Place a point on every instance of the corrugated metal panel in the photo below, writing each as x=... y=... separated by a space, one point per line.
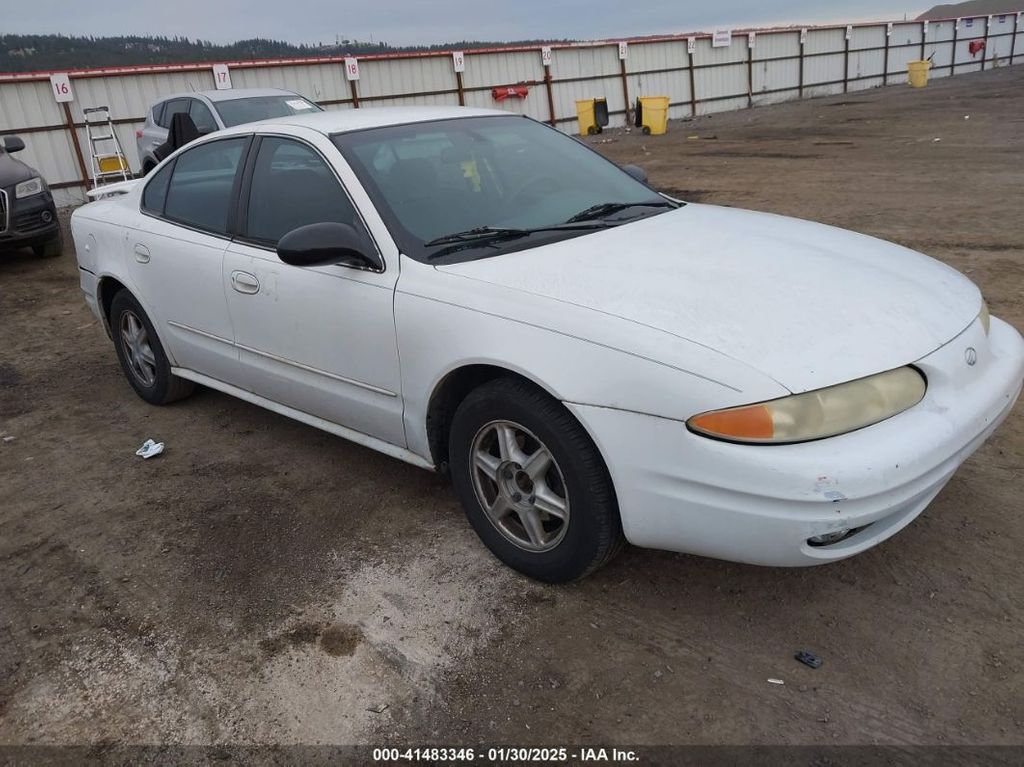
x=704 y=53
x=725 y=105
x=584 y=62
x=317 y=82
x=27 y=105
x=401 y=76
x=491 y=69
x=722 y=81
x=905 y=34
x=824 y=40
x=866 y=63
x=51 y=153
x=775 y=75
x=824 y=69
x=1000 y=45
x=776 y=45
x=868 y=37
x=675 y=85
x=664 y=55
x=863 y=85
x=535 y=105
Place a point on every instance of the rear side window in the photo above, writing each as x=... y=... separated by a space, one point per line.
x=171 y=108
x=200 y=193
x=155 y=194
x=158 y=110
x=292 y=186
x=202 y=117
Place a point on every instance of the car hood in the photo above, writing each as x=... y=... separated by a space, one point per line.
x=806 y=304
x=14 y=171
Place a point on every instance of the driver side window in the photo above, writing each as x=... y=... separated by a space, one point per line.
x=292 y=186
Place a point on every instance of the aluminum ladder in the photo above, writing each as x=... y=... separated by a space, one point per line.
x=108 y=160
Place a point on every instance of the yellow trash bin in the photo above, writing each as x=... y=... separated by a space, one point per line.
x=585 y=114
x=917 y=73
x=654 y=114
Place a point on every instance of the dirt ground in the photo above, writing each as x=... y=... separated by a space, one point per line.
x=263 y=582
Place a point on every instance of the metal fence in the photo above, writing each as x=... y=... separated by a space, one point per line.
x=699 y=73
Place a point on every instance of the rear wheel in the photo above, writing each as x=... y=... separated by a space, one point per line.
x=532 y=482
x=141 y=354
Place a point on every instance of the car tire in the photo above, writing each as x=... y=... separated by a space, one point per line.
x=523 y=493
x=50 y=248
x=141 y=354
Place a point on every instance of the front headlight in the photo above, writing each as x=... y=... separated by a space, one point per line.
x=984 y=316
x=29 y=188
x=816 y=414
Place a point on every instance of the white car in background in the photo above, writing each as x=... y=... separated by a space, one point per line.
x=592 y=362
x=213 y=111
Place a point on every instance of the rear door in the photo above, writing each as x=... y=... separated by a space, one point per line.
x=318 y=339
x=175 y=254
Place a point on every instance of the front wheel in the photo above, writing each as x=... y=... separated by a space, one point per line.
x=532 y=482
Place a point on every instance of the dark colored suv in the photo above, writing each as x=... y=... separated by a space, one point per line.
x=28 y=217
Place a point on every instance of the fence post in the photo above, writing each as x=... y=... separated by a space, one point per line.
x=552 y=120
x=1013 y=40
x=803 y=36
x=693 y=80
x=952 y=56
x=885 y=60
x=625 y=87
x=355 y=93
x=462 y=91
x=750 y=70
x=924 y=31
x=846 y=60
x=984 y=50
x=69 y=121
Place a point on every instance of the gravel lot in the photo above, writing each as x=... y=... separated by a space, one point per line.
x=263 y=582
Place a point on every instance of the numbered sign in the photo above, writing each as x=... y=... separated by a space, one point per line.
x=722 y=38
x=221 y=77
x=888 y=29
x=61 y=86
x=691 y=45
x=750 y=40
x=968 y=23
x=849 y=31
x=459 y=61
x=351 y=69
x=924 y=28
x=623 y=51
x=545 y=56
x=803 y=36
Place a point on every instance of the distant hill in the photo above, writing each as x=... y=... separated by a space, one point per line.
x=972 y=8
x=26 y=53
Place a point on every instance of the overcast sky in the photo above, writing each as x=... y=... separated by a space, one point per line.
x=411 y=21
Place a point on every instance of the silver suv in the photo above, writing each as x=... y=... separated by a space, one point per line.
x=213 y=110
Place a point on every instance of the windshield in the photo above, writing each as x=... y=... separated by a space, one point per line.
x=254 y=108
x=432 y=180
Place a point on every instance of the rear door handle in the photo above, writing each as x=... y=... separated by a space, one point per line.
x=244 y=282
x=141 y=254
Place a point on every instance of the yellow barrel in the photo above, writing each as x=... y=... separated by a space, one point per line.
x=585 y=114
x=917 y=73
x=654 y=113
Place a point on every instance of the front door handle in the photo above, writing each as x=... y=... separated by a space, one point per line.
x=141 y=254
x=244 y=282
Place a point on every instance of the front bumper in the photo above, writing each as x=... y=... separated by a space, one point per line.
x=27 y=221
x=760 y=504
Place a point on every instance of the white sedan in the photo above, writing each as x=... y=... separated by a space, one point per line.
x=474 y=292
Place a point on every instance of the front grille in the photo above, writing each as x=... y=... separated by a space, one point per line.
x=3 y=211
x=25 y=222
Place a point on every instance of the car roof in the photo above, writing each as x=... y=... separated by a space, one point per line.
x=346 y=120
x=230 y=94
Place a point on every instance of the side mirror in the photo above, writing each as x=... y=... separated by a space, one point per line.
x=326 y=244
x=636 y=172
x=12 y=144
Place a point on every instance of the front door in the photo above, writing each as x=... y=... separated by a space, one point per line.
x=317 y=339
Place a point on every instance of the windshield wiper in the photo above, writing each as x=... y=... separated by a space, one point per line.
x=488 y=234
x=607 y=208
